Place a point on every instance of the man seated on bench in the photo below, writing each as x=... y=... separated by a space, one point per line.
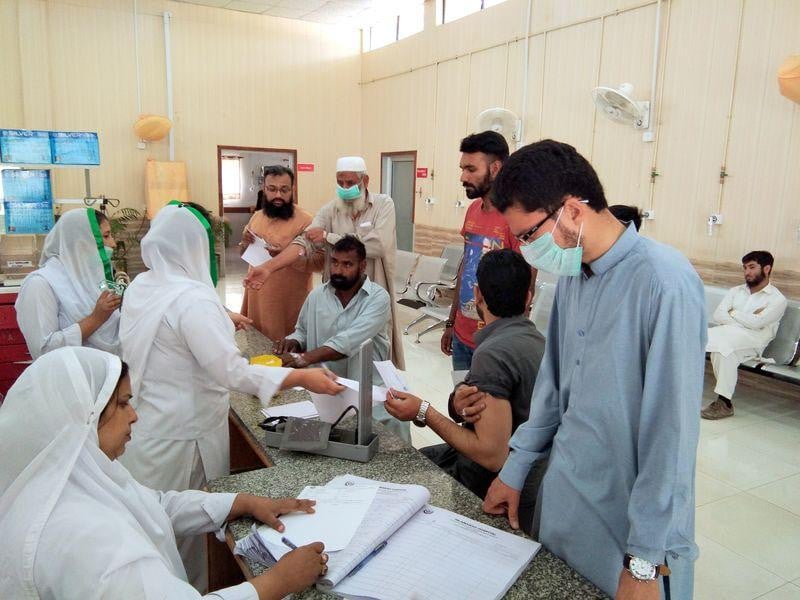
x=747 y=321
x=504 y=368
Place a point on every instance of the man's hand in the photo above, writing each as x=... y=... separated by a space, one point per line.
x=502 y=499
x=315 y=235
x=292 y=360
x=240 y=321
x=257 y=277
x=469 y=402
x=106 y=304
x=630 y=589
x=447 y=341
x=401 y=405
x=285 y=345
x=247 y=238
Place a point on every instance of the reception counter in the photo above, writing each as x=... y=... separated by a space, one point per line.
x=278 y=473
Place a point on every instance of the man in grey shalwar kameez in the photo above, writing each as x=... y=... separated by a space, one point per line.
x=618 y=391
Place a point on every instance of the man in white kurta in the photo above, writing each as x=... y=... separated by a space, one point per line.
x=358 y=212
x=747 y=321
x=178 y=340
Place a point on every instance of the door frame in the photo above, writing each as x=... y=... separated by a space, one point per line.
x=380 y=182
x=244 y=209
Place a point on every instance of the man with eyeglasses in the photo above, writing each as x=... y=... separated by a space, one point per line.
x=617 y=395
x=274 y=308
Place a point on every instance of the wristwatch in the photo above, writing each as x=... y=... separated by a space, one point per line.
x=419 y=420
x=643 y=570
x=449 y=323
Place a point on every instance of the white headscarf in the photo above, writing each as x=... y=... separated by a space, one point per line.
x=176 y=250
x=48 y=441
x=72 y=264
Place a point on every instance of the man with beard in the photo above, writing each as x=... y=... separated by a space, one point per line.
x=356 y=211
x=274 y=308
x=482 y=156
x=747 y=321
x=338 y=317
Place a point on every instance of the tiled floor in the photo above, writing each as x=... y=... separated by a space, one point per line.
x=748 y=476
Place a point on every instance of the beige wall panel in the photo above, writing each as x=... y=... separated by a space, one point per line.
x=758 y=206
x=619 y=155
x=451 y=126
x=263 y=82
x=697 y=85
x=398 y=116
x=557 y=13
x=12 y=113
x=239 y=79
x=570 y=73
x=487 y=83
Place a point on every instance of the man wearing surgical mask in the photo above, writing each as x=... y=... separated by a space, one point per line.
x=618 y=391
x=358 y=212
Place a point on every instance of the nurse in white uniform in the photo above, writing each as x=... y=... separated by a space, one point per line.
x=62 y=303
x=76 y=525
x=179 y=343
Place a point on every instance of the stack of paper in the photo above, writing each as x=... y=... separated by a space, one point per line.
x=301 y=410
x=330 y=407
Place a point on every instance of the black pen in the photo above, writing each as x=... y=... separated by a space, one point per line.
x=289 y=543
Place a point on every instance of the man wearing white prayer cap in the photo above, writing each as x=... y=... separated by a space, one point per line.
x=355 y=211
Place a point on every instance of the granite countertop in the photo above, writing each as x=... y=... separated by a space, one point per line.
x=548 y=577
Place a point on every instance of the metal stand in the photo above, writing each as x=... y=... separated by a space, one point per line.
x=359 y=445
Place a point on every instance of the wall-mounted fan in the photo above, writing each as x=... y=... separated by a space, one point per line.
x=501 y=120
x=618 y=105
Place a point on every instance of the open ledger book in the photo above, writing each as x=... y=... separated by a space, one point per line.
x=429 y=552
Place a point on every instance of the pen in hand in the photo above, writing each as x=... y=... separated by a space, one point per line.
x=289 y=543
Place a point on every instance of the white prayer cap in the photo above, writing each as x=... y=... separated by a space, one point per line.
x=355 y=164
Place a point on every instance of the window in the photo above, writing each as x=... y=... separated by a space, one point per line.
x=231 y=178
x=395 y=27
x=411 y=21
x=448 y=11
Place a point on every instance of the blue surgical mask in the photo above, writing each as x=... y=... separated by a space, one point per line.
x=348 y=194
x=544 y=254
x=109 y=251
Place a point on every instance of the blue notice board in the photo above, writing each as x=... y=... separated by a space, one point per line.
x=25 y=147
x=75 y=148
x=27 y=201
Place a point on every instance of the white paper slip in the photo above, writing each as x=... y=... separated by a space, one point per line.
x=330 y=407
x=302 y=410
x=339 y=512
x=256 y=253
x=444 y=556
x=390 y=375
x=459 y=376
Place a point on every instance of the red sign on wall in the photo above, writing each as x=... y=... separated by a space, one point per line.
x=305 y=167
x=422 y=172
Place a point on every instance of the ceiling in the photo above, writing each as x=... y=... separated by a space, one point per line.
x=353 y=13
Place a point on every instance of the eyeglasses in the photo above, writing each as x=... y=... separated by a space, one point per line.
x=524 y=237
x=274 y=190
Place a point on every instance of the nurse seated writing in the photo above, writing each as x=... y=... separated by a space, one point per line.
x=74 y=522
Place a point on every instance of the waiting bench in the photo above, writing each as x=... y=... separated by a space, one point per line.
x=784 y=349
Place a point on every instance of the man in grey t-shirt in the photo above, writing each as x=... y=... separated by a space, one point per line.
x=504 y=367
